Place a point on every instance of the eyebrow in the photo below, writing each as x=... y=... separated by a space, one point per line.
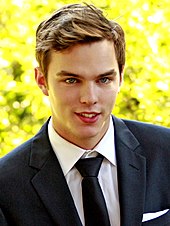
x=110 y=72
x=63 y=73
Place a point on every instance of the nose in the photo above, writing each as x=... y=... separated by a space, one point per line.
x=88 y=94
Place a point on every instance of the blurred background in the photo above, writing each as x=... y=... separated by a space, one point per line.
x=145 y=94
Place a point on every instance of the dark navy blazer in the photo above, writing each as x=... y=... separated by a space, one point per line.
x=34 y=192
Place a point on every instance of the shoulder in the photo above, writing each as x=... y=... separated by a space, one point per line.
x=154 y=143
x=17 y=157
x=143 y=130
x=154 y=139
x=21 y=154
x=14 y=168
x=151 y=131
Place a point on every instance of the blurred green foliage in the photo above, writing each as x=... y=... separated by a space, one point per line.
x=145 y=94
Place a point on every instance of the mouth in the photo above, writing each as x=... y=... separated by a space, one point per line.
x=88 y=117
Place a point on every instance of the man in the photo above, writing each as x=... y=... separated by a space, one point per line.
x=81 y=57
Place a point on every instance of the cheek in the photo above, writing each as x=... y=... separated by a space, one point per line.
x=64 y=98
x=72 y=95
x=111 y=93
x=109 y=97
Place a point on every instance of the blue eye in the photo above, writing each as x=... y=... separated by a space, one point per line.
x=71 y=80
x=105 y=80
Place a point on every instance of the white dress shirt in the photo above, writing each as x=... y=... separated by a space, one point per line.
x=68 y=154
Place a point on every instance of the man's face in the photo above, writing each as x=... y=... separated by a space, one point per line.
x=83 y=83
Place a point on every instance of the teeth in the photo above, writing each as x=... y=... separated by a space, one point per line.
x=88 y=115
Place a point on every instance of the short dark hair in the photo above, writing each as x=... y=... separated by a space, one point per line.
x=73 y=24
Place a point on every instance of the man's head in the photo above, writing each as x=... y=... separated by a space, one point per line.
x=81 y=57
x=76 y=24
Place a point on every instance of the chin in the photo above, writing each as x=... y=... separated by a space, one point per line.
x=90 y=134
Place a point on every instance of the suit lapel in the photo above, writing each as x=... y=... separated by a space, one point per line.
x=131 y=175
x=52 y=188
x=50 y=183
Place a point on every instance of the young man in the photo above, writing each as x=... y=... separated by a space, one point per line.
x=81 y=56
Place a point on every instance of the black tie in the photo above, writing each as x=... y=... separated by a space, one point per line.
x=95 y=210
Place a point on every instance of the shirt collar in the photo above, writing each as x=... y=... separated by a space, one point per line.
x=68 y=154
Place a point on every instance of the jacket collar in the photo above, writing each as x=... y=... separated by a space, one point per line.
x=131 y=168
x=50 y=181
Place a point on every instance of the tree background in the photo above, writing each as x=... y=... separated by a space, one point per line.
x=145 y=94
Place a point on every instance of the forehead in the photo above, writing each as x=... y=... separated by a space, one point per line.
x=94 y=57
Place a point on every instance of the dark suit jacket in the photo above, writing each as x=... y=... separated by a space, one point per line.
x=34 y=192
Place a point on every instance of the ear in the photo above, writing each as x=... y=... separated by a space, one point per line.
x=41 y=81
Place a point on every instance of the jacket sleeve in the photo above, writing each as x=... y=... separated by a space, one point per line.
x=2 y=219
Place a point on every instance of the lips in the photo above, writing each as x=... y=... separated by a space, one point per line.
x=88 y=117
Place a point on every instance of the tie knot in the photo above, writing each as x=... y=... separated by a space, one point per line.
x=89 y=167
